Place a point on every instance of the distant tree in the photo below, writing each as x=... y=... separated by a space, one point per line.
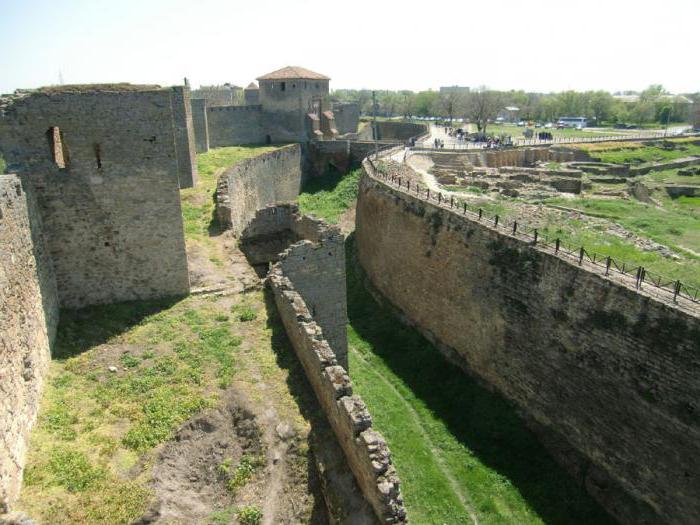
x=425 y=102
x=449 y=103
x=407 y=103
x=481 y=105
x=600 y=105
x=642 y=111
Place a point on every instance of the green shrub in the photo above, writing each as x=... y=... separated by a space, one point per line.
x=249 y=515
x=238 y=477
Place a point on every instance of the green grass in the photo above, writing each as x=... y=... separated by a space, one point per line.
x=676 y=225
x=640 y=153
x=244 y=312
x=2 y=165
x=330 y=196
x=457 y=430
x=96 y=424
x=467 y=189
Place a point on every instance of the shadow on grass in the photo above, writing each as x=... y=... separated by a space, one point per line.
x=326 y=182
x=480 y=420
x=80 y=330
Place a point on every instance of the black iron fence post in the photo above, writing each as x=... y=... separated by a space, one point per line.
x=676 y=291
x=495 y=221
x=535 y=239
x=515 y=227
x=480 y=213
x=580 y=256
x=607 y=266
x=556 y=245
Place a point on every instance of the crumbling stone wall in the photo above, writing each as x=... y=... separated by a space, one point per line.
x=28 y=319
x=316 y=265
x=105 y=163
x=609 y=376
x=521 y=157
x=366 y=451
x=255 y=183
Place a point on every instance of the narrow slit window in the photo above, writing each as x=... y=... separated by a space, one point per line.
x=98 y=155
x=283 y=86
x=57 y=146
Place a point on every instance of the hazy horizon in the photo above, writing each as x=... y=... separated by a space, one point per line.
x=545 y=47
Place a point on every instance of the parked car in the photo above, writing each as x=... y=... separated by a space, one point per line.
x=521 y=124
x=549 y=125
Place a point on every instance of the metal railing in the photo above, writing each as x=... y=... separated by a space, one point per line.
x=643 y=277
x=520 y=142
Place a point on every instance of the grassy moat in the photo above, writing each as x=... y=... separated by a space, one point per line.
x=462 y=453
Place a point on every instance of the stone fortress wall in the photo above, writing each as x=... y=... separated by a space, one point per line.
x=105 y=164
x=607 y=375
x=255 y=183
x=28 y=319
x=92 y=216
x=200 y=124
x=235 y=125
x=347 y=117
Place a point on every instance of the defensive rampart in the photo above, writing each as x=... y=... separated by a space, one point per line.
x=255 y=183
x=106 y=163
x=200 y=125
x=607 y=374
x=308 y=271
x=235 y=125
x=28 y=319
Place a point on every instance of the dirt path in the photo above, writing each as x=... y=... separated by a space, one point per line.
x=444 y=468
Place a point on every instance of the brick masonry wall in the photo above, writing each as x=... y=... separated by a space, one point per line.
x=258 y=182
x=366 y=451
x=200 y=126
x=608 y=375
x=235 y=125
x=111 y=218
x=28 y=319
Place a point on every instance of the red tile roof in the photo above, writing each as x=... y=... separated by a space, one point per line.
x=293 y=72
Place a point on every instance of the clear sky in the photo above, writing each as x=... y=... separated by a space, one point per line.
x=536 y=45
